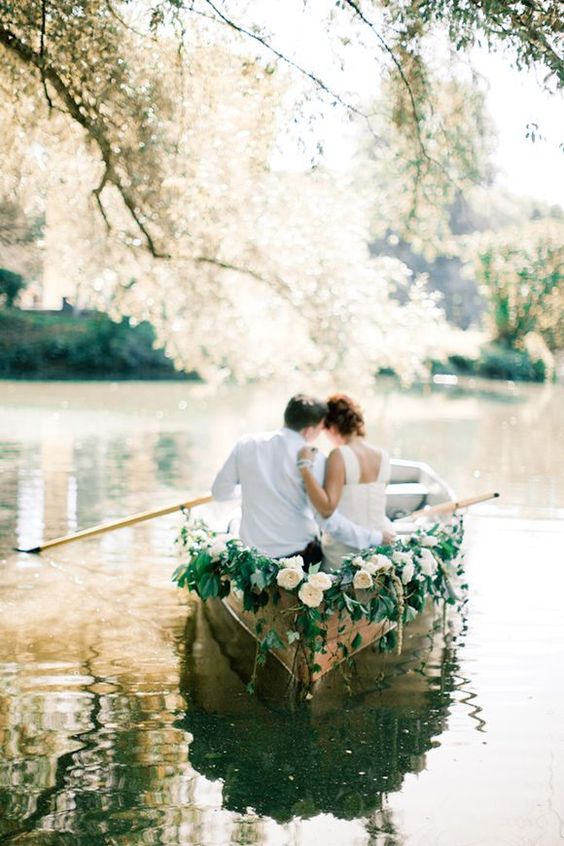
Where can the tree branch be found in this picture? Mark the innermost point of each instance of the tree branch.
(282, 287)
(42, 52)
(287, 60)
(30, 57)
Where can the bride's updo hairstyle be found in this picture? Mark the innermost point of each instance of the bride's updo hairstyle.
(345, 414)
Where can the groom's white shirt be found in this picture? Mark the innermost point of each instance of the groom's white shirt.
(277, 517)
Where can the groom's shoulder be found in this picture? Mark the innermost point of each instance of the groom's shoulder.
(256, 438)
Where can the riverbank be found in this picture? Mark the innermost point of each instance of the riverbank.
(65, 345)
(89, 345)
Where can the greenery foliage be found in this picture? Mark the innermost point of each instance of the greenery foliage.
(496, 362)
(385, 583)
(522, 273)
(62, 346)
(157, 125)
(10, 286)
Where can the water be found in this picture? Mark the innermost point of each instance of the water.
(123, 722)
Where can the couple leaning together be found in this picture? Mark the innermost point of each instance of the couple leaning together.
(296, 502)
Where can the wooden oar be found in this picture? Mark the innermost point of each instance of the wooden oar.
(120, 524)
(446, 507)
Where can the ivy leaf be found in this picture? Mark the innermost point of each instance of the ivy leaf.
(357, 642)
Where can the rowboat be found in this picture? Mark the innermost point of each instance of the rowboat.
(305, 649)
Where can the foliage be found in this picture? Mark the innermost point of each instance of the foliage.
(498, 362)
(531, 30)
(243, 247)
(149, 130)
(522, 273)
(10, 286)
(415, 193)
(385, 583)
(63, 346)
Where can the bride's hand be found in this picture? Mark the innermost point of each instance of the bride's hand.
(307, 453)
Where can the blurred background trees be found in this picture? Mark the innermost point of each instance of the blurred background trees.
(152, 140)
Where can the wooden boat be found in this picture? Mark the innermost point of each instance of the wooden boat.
(413, 486)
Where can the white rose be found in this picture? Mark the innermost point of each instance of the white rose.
(407, 573)
(321, 581)
(402, 557)
(428, 540)
(289, 577)
(310, 595)
(427, 562)
(382, 561)
(362, 580)
(357, 561)
(370, 566)
(296, 562)
(217, 549)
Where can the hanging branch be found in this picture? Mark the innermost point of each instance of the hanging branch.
(42, 52)
(94, 129)
(318, 82)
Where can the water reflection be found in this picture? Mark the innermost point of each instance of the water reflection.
(345, 751)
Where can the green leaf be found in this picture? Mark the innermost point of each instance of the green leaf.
(259, 580)
(209, 585)
(409, 614)
(201, 563)
(178, 572)
(349, 603)
(272, 641)
(357, 642)
(292, 635)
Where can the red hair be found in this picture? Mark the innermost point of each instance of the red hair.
(345, 414)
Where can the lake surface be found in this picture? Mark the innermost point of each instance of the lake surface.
(123, 722)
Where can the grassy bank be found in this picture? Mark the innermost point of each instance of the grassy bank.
(52, 345)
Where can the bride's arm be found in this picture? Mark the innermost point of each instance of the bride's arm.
(325, 499)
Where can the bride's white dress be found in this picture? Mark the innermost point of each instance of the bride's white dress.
(363, 503)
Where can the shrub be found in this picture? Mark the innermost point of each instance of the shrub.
(10, 286)
(61, 345)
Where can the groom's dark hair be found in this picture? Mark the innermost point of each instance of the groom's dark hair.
(303, 411)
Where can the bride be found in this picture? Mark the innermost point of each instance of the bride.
(356, 476)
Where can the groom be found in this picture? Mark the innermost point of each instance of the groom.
(277, 517)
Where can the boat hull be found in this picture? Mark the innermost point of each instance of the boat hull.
(305, 666)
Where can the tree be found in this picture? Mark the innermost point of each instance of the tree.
(80, 56)
(522, 272)
(164, 126)
(10, 286)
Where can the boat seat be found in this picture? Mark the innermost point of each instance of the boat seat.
(404, 497)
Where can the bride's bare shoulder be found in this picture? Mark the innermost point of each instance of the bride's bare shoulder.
(335, 456)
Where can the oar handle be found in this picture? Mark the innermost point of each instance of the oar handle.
(453, 505)
(120, 524)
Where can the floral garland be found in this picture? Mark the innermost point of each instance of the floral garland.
(390, 582)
